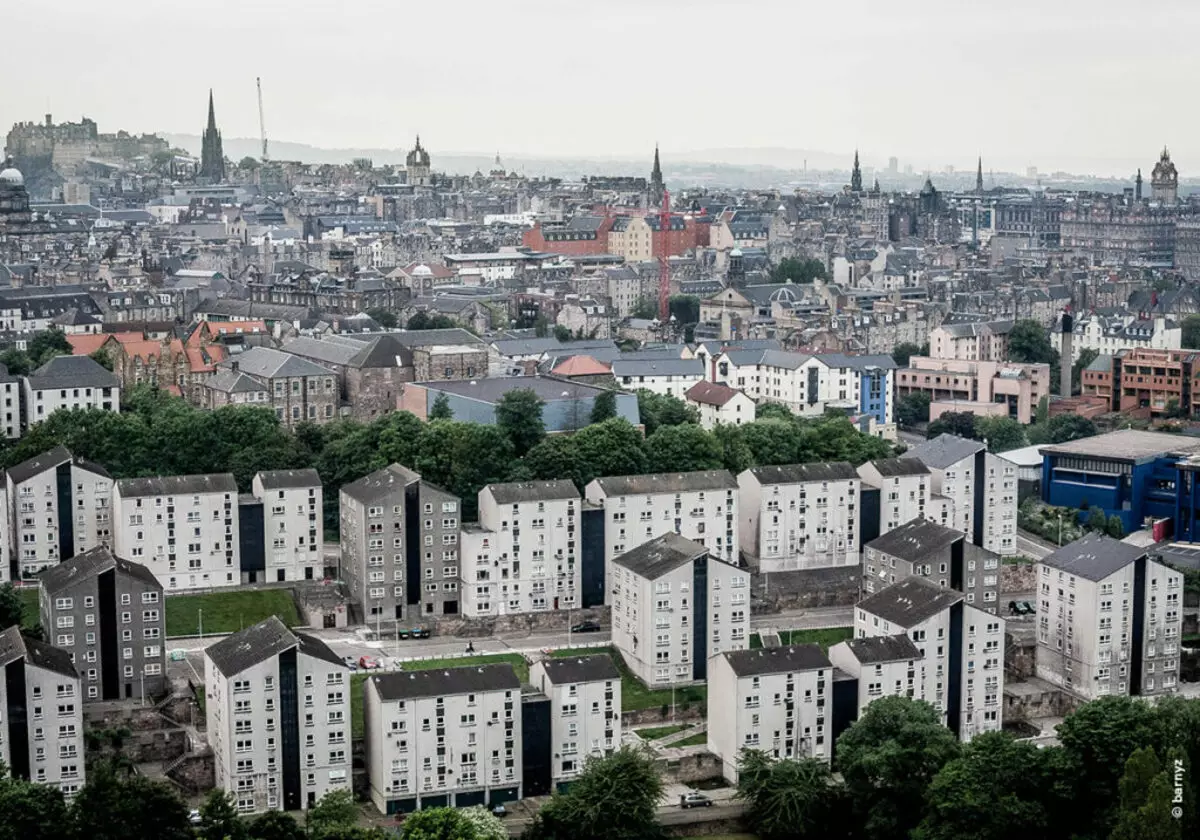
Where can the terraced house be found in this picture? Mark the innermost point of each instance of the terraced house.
(299, 390)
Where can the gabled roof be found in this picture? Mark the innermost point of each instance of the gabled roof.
(1093, 557)
(271, 364)
(532, 491)
(90, 563)
(176, 485)
(580, 669)
(447, 682)
(803, 473)
(15, 645)
(944, 451)
(653, 483)
(284, 479)
(909, 602)
(233, 382)
(878, 649)
(780, 660)
(38, 464)
(581, 365)
(916, 539)
(657, 367)
(894, 467)
(711, 393)
(270, 637)
(653, 559)
(72, 372)
(380, 483)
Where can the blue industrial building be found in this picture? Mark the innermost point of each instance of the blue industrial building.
(1138, 476)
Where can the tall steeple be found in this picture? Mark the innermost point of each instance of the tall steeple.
(212, 156)
(979, 177)
(856, 175)
(1137, 186)
(657, 185)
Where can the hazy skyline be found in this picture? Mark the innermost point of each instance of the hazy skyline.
(1084, 86)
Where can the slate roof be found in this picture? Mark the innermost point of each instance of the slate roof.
(580, 669)
(380, 483)
(284, 479)
(653, 559)
(93, 562)
(877, 649)
(1093, 557)
(256, 644)
(14, 645)
(176, 485)
(894, 467)
(916, 539)
(944, 451)
(471, 679)
(780, 660)
(657, 367)
(72, 372)
(233, 382)
(910, 601)
(38, 463)
(270, 364)
(1127, 445)
(801, 473)
(533, 491)
(653, 483)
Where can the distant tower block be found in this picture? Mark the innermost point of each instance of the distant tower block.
(1066, 354)
(1164, 180)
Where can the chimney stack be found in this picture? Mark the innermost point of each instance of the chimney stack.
(1066, 354)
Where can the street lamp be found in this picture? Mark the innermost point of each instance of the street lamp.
(1060, 518)
(200, 622)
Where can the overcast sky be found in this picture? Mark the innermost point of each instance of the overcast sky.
(1090, 85)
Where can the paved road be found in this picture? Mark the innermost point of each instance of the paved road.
(1032, 546)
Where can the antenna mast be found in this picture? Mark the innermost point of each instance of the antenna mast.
(262, 123)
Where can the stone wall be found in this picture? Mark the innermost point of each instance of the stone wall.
(690, 768)
(806, 589)
(1035, 700)
(731, 826)
(195, 773)
(654, 716)
(1017, 578)
(523, 623)
(1020, 654)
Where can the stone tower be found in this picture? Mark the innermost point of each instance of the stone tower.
(856, 175)
(416, 165)
(1164, 180)
(1137, 186)
(212, 156)
(657, 186)
(979, 178)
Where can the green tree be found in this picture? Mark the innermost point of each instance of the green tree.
(1064, 428)
(683, 448)
(888, 758)
(276, 825)
(684, 308)
(604, 406)
(645, 308)
(1115, 528)
(519, 417)
(655, 410)
(16, 362)
(616, 798)
(333, 812)
(114, 807)
(31, 811)
(438, 824)
(102, 357)
(912, 409)
(1190, 329)
(785, 798)
(1029, 343)
(487, 825)
(961, 423)
(1145, 805)
(47, 344)
(248, 163)
(1097, 521)
(541, 326)
(735, 453)
(613, 447)
(440, 410)
(219, 818)
(562, 333)
(1086, 357)
(384, 317)
(1001, 433)
(773, 411)
(1043, 409)
(425, 321)
(796, 270)
(555, 457)
(12, 608)
(904, 351)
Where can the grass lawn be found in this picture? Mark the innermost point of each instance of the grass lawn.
(228, 612)
(653, 733)
(634, 694)
(700, 739)
(31, 608)
(825, 637)
(356, 705)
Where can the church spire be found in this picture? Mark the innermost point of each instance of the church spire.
(212, 155)
(212, 112)
(657, 185)
(1137, 185)
(856, 175)
(979, 176)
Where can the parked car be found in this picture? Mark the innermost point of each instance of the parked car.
(1029, 608)
(194, 817)
(350, 662)
(586, 627)
(1020, 608)
(368, 663)
(402, 634)
(499, 810)
(418, 633)
(694, 799)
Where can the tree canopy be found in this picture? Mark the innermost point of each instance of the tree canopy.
(616, 797)
(797, 270)
(1029, 343)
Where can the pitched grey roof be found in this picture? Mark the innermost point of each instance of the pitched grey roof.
(893, 467)
(916, 539)
(176, 485)
(875, 649)
(660, 555)
(93, 562)
(944, 451)
(533, 491)
(284, 479)
(471, 679)
(657, 367)
(270, 364)
(1093, 557)
(780, 660)
(72, 372)
(580, 669)
(652, 483)
(14, 645)
(256, 644)
(233, 382)
(910, 601)
(380, 483)
(39, 463)
(801, 473)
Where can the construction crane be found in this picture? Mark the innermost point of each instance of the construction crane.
(262, 123)
(664, 260)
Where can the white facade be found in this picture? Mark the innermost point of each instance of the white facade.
(1089, 630)
(669, 377)
(10, 417)
(904, 490)
(41, 402)
(246, 718)
(1108, 337)
(524, 556)
(54, 707)
(884, 675)
(293, 525)
(585, 710)
(452, 733)
(732, 408)
(184, 529)
(804, 383)
(803, 516)
(667, 619)
(699, 506)
(775, 700)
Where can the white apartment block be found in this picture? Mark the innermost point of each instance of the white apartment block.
(904, 489)
(659, 374)
(524, 555)
(961, 672)
(585, 710)
(800, 516)
(10, 415)
(183, 528)
(720, 405)
(445, 737)
(1109, 620)
(293, 523)
(41, 681)
(776, 700)
(58, 506)
(981, 489)
(674, 606)
(882, 666)
(70, 382)
(278, 714)
(700, 506)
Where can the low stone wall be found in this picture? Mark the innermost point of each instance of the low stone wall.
(690, 768)
(706, 828)
(1017, 577)
(1020, 654)
(655, 717)
(807, 589)
(523, 623)
(195, 773)
(1036, 699)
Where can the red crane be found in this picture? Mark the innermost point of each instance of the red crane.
(664, 260)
